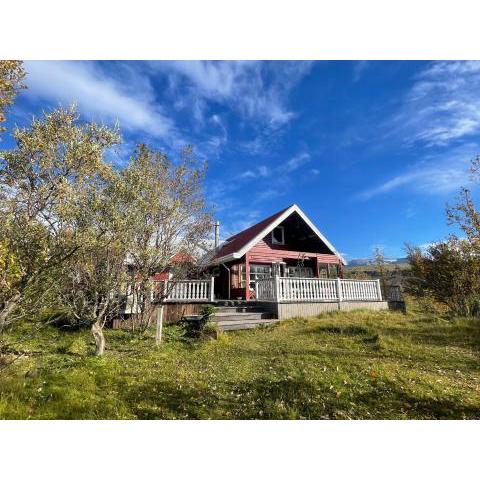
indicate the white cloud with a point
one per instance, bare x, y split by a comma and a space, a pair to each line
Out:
443, 105
439, 174
441, 112
261, 171
100, 96
258, 90
296, 162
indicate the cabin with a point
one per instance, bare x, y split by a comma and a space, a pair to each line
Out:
286, 244
282, 267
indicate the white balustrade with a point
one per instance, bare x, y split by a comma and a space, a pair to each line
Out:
184, 290
265, 289
291, 289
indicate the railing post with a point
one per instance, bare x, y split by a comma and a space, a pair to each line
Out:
256, 290
276, 288
212, 295
339, 290
379, 290
165, 290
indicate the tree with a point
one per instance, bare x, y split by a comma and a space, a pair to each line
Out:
12, 74
92, 278
380, 265
42, 195
167, 215
449, 271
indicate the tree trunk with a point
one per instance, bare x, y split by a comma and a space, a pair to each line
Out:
8, 309
97, 332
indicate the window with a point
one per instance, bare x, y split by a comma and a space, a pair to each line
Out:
323, 270
333, 270
302, 272
278, 236
257, 272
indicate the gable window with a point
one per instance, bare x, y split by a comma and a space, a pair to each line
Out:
278, 236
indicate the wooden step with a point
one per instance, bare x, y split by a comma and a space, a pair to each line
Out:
230, 325
240, 316
240, 309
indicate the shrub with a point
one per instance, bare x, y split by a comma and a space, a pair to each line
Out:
449, 272
199, 327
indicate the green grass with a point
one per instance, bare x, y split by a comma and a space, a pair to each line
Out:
360, 365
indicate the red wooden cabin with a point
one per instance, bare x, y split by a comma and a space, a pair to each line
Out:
286, 244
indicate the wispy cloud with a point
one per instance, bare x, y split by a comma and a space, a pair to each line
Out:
443, 105
261, 171
257, 90
101, 96
296, 162
359, 68
438, 174
440, 116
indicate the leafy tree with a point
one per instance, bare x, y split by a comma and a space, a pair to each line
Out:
167, 215
91, 279
42, 195
380, 266
12, 74
449, 271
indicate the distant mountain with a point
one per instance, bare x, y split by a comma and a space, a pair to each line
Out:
361, 262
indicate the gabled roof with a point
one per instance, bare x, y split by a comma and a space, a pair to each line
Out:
239, 244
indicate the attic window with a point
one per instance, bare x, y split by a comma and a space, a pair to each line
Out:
278, 236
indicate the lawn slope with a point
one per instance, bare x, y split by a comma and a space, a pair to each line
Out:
358, 365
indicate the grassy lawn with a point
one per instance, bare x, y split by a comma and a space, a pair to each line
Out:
359, 365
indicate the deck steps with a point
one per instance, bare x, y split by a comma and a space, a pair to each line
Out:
241, 316
226, 326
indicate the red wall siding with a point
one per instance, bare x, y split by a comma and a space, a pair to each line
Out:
265, 253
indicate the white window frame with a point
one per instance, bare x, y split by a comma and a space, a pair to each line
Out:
274, 241
257, 271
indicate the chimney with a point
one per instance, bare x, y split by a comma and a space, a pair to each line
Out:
217, 233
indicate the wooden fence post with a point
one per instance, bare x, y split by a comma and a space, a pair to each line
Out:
212, 294
158, 333
379, 290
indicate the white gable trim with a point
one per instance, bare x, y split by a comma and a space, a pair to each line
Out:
269, 228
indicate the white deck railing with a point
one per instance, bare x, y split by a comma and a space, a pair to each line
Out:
265, 289
291, 289
184, 290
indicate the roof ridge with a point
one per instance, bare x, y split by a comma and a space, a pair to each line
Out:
270, 218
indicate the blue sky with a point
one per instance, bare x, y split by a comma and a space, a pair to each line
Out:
371, 151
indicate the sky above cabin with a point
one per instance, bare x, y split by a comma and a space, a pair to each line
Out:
371, 151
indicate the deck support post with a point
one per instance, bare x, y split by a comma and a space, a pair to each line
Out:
247, 276
379, 290
212, 293
339, 289
276, 288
